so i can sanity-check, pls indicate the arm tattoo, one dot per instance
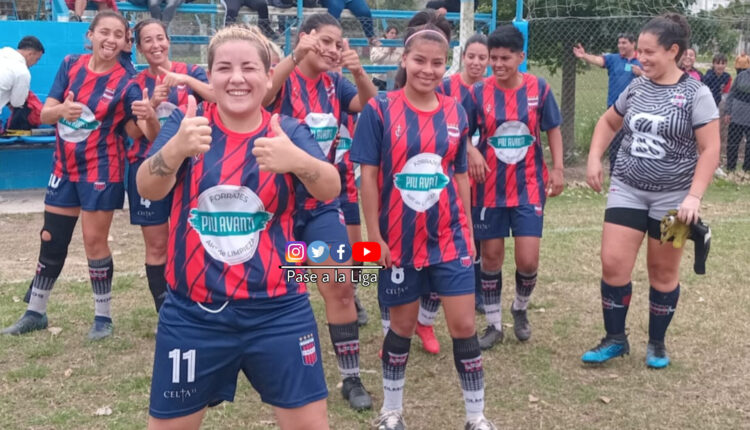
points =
(157, 166)
(309, 176)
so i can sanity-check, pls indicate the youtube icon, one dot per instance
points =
(366, 251)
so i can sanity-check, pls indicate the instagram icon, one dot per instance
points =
(296, 252)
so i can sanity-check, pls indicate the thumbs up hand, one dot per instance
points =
(194, 135)
(143, 109)
(71, 110)
(276, 154)
(350, 59)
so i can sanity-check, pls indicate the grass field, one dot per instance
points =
(54, 380)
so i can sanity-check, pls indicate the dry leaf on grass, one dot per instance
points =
(701, 300)
(605, 400)
(533, 399)
(613, 376)
(68, 373)
(105, 411)
(16, 299)
(54, 330)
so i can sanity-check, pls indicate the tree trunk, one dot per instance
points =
(568, 104)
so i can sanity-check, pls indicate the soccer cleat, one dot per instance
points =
(611, 346)
(491, 337)
(100, 330)
(480, 424)
(353, 391)
(656, 355)
(427, 335)
(701, 235)
(390, 420)
(30, 321)
(521, 326)
(362, 317)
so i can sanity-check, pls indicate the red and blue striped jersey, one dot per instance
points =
(510, 122)
(319, 102)
(92, 148)
(230, 221)
(177, 97)
(421, 217)
(455, 87)
(343, 161)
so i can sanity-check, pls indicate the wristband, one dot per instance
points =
(699, 198)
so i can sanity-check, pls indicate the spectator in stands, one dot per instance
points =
(386, 56)
(622, 68)
(444, 6)
(687, 64)
(717, 79)
(78, 6)
(15, 78)
(233, 7)
(360, 9)
(742, 62)
(738, 117)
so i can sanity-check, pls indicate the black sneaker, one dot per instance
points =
(490, 337)
(74, 18)
(362, 317)
(701, 235)
(521, 326)
(480, 424)
(390, 420)
(353, 391)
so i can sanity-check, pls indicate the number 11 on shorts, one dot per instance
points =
(188, 356)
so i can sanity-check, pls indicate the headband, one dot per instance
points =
(423, 31)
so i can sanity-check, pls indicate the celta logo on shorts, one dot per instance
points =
(229, 220)
(80, 129)
(538, 210)
(324, 128)
(307, 348)
(421, 181)
(100, 186)
(511, 141)
(466, 261)
(164, 110)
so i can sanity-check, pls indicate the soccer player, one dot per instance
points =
(475, 58)
(511, 109)
(92, 111)
(236, 172)
(411, 144)
(168, 83)
(306, 87)
(666, 161)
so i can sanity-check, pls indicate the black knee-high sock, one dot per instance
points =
(157, 283)
(395, 356)
(615, 303)
(468, 361)
(661, 310)
(345, 339)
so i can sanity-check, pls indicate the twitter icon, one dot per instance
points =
(317, 251)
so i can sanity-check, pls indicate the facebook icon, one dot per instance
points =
(341, 252)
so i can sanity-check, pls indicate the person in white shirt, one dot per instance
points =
(386, 55)
(15, 78)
